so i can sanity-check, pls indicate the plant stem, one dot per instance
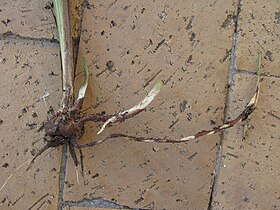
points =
(62, 13)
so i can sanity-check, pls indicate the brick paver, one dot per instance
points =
(189, 46)
(248, 177)
(249, 169)
(149, 42)
(27, 74)
(258, 29)
(27, 18)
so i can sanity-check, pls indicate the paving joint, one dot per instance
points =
(62, 176)
(10, 36)
(251, 72)
(96, 203)
(232, 71)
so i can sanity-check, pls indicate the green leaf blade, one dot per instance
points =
(83, 88)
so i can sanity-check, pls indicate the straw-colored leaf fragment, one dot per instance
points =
(62, 15)
(255, 98)
(135, 109)
(248, 110)
(83, 88)
(250, 107)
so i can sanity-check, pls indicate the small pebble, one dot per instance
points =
(155, 149)
(110, 65)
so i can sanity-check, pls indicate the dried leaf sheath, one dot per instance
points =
(242, 117)
(250, 107)
(67, 125)
(62, 14)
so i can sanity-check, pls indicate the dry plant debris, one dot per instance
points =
(67, 125)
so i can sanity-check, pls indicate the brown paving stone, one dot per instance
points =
(34, 18)
(27, 18)
(25, 77)
(259, 29)
(192, 61)
(249, 177)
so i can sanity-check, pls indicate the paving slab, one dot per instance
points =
(259, 29)
(249, 174)
(130, 46)
(34, 19)
(29, 71)
(27, 18)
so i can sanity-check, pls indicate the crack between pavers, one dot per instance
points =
(62, 176)
(232, 72)
(253, 72)
(10, 36)
(233, 67)
(96, 203)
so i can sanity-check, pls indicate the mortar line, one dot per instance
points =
(232, 72)
(10, 36)
(96, 203)
(62, 175)
(264, 74)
